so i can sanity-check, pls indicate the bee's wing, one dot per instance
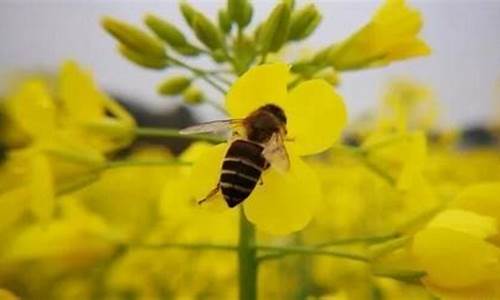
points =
(275, 153)
(219, 127)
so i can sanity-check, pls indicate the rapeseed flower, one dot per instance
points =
(138, 188)
(66, 131)
(315, 114)
(407, 105)
(458, 249)
(391, 35)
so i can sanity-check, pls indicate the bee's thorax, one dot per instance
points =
(264, 122)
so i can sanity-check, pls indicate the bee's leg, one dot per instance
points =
(210, 195)
(266, 166)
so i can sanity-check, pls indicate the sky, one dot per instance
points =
(463, 70)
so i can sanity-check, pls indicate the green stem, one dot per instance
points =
(174, 133)
(215, 105)
(383, 143)
(361, 239)
(220, 78)
(102, 273)
(247, 260)
(282, 251)
(77, 184)
(201, 73)
(377, 170)
(401, 275)
(381, 250)
(362, 155)
(263, 59)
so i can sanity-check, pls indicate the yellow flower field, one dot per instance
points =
(383, 206)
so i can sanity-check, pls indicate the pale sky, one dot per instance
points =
(463, 69)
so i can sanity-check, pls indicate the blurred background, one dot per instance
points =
(464, 69)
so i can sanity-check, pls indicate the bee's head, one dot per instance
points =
(275, 111)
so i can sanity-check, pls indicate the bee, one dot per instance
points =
(256, 143)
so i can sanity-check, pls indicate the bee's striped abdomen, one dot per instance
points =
(241, 170)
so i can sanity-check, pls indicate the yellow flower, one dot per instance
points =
(66, 135)
(407, 105)
(6, 295)
(484, 199)
(77, 238)
(85, 111)
(127, 198)
(391, 35)
(455, 253)
(402, 155)
(315, 116)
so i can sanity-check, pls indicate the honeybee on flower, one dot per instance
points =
(313, 114)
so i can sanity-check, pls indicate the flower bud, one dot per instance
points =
(174, 85)
(134, 38)
(224, 21)
(322, 57)
(244, 53)
(188, 12)
(142, 60)
(290, 3)
(170, 34)
(188, 50)
(240, 12)
(165, 31)
(304, 22)
(329, 75)
(192, 95)
(219, 55)
(273, 33)
(207, 32)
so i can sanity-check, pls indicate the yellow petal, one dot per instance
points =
(466, 222)
(41, 187)
(12, 206)
(481, 198)
(7, 295)
(205, 176)
(454, 259)
(33, 109)
(415, 157)
(258, 86)
(79, 94)
(286, 201)
(486, 290)
(316, 115)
